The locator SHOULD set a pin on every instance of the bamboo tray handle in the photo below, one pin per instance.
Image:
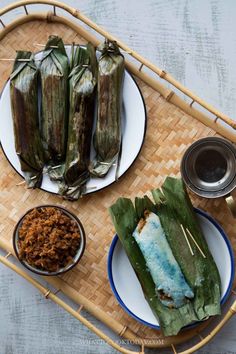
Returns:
(204, 341)
(144, 62)
(168, 94)
(50, 295)
(118, 328)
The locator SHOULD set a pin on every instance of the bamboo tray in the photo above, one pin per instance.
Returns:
(173, 124)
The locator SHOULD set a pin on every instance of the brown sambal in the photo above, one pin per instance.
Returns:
(48, 239)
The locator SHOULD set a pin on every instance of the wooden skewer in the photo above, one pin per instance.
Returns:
(186, 238)
(200, 250)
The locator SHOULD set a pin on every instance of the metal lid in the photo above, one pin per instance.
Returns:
(208, 167)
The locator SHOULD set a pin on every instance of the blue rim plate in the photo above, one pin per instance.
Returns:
(134, 115)
(129, 293)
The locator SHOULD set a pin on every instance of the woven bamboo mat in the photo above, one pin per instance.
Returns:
(169, 132)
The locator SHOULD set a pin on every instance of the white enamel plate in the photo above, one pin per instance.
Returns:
(128, 291)
(133, 133)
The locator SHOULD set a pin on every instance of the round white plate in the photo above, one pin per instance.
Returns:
(133, 132)
(128, 291)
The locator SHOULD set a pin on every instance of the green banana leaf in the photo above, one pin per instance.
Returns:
(172, 208)
(201, 273)
(24, 106)
(82, 82)
(54, 68)
(107, 137)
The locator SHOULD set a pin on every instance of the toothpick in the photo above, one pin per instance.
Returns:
(43, 45)
(90, 188)
(195, 243)
(121, 51)
(87, 190)
(54, 167)
(11, 59)
(20, 183)
(24, 181)
(186, 238)
(162, 201)
(20, 60)
(125, 52)
(161, 190)
(107, 163)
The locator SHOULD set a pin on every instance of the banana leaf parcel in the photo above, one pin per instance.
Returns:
(54, 69)
(24, 106)
(82, 82)
(107, 137)
(197, 291)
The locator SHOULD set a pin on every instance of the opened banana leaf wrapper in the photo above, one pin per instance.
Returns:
(180, 286)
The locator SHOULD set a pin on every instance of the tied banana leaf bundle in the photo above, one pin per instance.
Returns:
(107, 137)
(82, 83)
(180, 287)
(54, 68)
(24, 106)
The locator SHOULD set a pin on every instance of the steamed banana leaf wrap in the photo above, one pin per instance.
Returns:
(82, 82)
(54, 70)
(107, 137)
(179, 287)
(24, 106)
